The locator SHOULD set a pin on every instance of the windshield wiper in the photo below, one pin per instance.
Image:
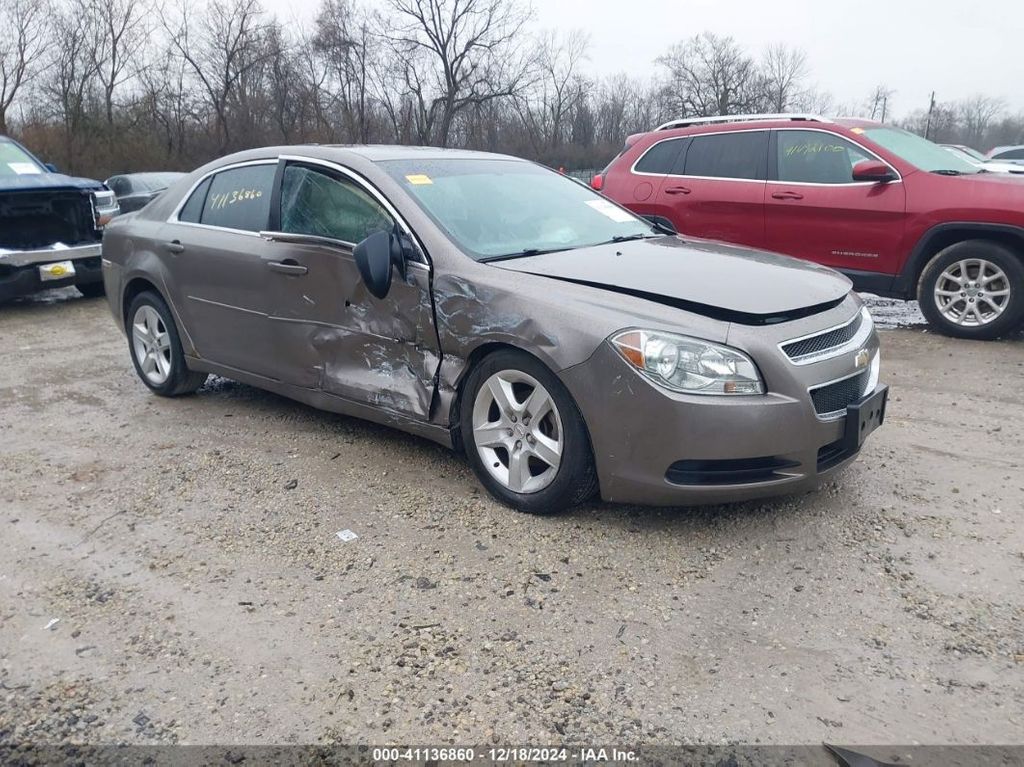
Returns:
(628, 238)
(522, 254)
(948, 172)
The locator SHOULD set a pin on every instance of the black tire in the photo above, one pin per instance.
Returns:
(576, 477)
(180, 380)
(92, 289)
(994, 253)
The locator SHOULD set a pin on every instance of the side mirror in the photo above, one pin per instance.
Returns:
(376, 256)
(873, 170)
(51, 167)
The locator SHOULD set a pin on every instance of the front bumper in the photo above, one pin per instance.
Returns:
(19, 269)
(657, 447)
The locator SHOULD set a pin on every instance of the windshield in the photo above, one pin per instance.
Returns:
(494, 208)
(918, 151)
(15, 161)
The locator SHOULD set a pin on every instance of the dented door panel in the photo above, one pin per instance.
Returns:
(333, 335)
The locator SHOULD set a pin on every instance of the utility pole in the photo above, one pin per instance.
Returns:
(931, 108)
(885, 104)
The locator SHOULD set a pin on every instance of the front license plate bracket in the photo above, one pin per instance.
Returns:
(863, 417)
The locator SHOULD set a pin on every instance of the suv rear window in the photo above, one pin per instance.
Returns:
(742, 154)
(660, 157)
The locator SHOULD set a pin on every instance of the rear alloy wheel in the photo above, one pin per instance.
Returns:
(973, 290)
(524, 435)
(156, 350)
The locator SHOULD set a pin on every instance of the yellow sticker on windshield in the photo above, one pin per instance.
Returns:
(419, 178)
(856, 130)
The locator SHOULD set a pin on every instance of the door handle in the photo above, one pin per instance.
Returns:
(288, 266)
(174, 246)
(787, 196)
(677, 190)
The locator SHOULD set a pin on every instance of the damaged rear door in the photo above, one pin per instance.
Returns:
(329, 332)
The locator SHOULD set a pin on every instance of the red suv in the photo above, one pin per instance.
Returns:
(900, 216)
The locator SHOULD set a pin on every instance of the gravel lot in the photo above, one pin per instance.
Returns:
(170, 572)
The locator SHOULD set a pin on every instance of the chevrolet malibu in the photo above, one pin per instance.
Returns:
(500, 308)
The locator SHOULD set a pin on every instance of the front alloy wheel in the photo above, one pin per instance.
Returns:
(973, 289)
(518, 431)
(524, 436)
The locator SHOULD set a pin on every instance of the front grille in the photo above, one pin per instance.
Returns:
(824, 341)
(835, 397)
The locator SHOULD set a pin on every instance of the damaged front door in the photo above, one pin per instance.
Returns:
(330, 333)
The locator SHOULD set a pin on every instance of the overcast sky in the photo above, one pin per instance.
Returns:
(954, 47)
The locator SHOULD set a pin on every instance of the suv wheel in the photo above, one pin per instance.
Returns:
(973, 289)
(156, 349)
(524, 435)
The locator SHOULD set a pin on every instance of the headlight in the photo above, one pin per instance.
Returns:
(688, 364)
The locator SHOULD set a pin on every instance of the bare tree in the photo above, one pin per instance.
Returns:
(226, 45)
(456, 54)
(546, 108)
(880, 103)
(22, 44)
(119, 32)
(711, 75)
(345, 47)
(783, 70)
(976, 115)
(71, 73)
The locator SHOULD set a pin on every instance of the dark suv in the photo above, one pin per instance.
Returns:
(899, 215)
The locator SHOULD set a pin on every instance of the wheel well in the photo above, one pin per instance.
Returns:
(475, 358)
(939, 241)
(472, 361)
(131, 290)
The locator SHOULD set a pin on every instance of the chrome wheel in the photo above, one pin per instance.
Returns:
(517, 431)
(972, 292)
(151, 344)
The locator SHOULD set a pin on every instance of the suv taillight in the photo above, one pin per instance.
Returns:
(597, 182)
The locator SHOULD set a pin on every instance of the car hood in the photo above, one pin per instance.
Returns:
(34, 182)
(717, 280)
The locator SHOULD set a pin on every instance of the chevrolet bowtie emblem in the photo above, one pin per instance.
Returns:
(861, 359)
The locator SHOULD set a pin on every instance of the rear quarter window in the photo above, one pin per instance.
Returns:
(193, 209)
(240, 198)
(741, 155)
(660, 157)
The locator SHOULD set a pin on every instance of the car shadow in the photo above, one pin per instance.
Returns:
(630, 518)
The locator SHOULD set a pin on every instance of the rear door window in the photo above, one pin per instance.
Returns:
(239, 198)
(740, 155)
(814, 157)
(661, 157)
(329, 205)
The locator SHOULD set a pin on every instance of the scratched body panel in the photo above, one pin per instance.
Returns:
(331, 334)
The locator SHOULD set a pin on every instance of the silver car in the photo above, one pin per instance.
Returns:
(500, 308)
